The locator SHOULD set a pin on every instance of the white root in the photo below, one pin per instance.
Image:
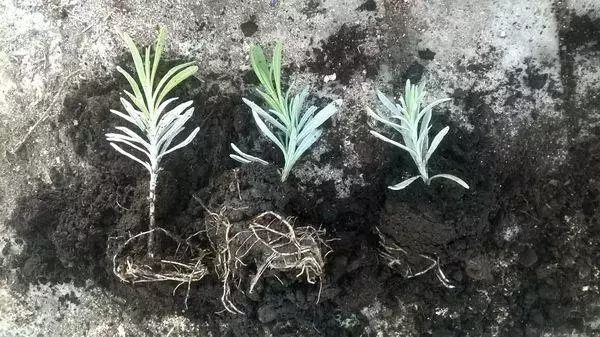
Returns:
(133, 272)
(397, 259)
(273, 243)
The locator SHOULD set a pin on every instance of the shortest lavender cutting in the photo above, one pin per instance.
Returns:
(413, 124)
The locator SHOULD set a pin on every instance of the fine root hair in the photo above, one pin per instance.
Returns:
(398, 259)
(272, 243)
(183, 267)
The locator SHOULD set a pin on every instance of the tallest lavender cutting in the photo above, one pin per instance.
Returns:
(152, 125)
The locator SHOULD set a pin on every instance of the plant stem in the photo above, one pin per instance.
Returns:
(152, 200)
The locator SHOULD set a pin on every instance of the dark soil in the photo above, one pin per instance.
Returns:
(312, 8)
(343, 55)
(519, 245)
(426, 54)
(249, 27)
(369, 5)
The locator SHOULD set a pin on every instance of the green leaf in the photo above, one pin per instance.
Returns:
(137, 59)
(164, 80)
(276, 71)
(175, 80)
(158, 50)
(273, 105)
(261, 67)
(147, 71)
(147, 86)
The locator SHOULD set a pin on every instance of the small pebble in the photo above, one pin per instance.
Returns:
(329, 78)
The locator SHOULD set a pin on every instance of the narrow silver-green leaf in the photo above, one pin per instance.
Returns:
(239, 159)
(268, 117)
(386, 139)
(266, 131)
(424, 131)
(306, 116)
(126, 117)
(387, 103)
(185, 142)
(306, 143)
(145, 164)
(139, 98)
(420, 145)
(129, 143)
(133, 136)
(403, 184)
(246, 156)
(320, 118)
(435, 142)
(378, 118)
(453, 178)
(264, 114)
(433, 104)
